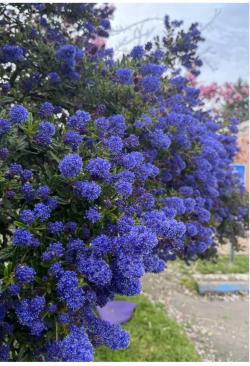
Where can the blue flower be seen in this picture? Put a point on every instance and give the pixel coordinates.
(11, 53)
(124, 76)
(152, 69)
(28, 192)
(102, 124)
(150, 84)
(76, 346)
(14, 289)
(159, 139)
(69, 292)
(191, 229)
(157, 221)
(18, 114)
(130, 266)
(64, 318)
(71, 166)
(51, 203)
(15, 169)
(22, 237)
(105, 23)
(46, 110)
(102, 244)
(54, 78)
(203, 215)
(140, 240)
(186, 190)
(42, 212)
(79, 120)
(56, 270)
(28, 313)
(112, 335)
(4, 352)
(125, 224)
(132, 159)
(26, 175)
(153, 264)
(73, 139)
(55, 250)
(55, 228)
(45, 132)
(123, 188)
(137, 52)
(114, 144)
(117, 124)
(4, 126)
(6, 88)
(99, 167)
(176, 203)
(96, 270)
(70, 226)
(27, 217)
(66, 53)
(176, 229)
(89, 190)
(43, 192)
(24, 274)
(129, 287)
(190, 205)
(126, 175)
(4, 153)
(131, 141)
(92, 215)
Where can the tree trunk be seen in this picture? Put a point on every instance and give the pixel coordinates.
(232, 244)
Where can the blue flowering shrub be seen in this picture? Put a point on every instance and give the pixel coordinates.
(72, 243)
(108, 169)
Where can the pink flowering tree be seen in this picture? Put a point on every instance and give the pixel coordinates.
(229, 99)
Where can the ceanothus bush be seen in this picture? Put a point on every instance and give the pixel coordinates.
(68, 251)
(109, 169)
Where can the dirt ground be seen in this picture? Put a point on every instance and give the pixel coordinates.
(217, 325)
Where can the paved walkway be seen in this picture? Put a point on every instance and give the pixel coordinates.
(218, 325)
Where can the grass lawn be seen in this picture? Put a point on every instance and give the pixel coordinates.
(154, 337)
(219, 266)
(222, 265)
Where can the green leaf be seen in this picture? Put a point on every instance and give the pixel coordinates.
(6, 253)
(6, 100)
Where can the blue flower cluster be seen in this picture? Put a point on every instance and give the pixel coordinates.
(29, 312)
(4, 126)
(88, 190)
(71, 166)
(137, 52)
(45, 133)
(11, 53)
(25, 274)
(68, 55)
(18, 114)
(79, 121)
(124, 76)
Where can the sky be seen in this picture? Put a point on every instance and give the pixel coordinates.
(225, 27)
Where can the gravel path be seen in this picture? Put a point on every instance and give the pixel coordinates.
(218, 325)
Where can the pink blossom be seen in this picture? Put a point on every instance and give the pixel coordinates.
(99, 42)
(237, 97)
(244, 90)
(208, 91)
(192, 78)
